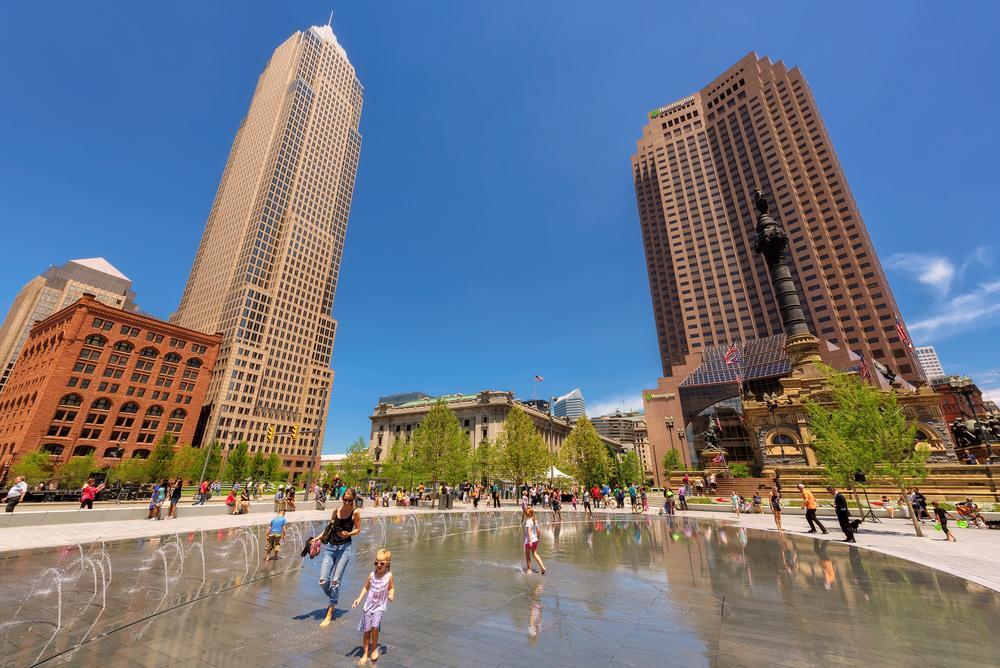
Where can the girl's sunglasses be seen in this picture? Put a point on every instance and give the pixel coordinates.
(381, 563)
(348, 500)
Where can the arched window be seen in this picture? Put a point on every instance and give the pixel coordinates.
(149, 351)
(111, 452)
(172, 358)
(782, 439)
(124, 347)
(130, 407)
(141, 453)
(83, 450)
(194, 363)
(178, 414)
(52, 448)
(154, 410)
(102, 404)
(95, 340)
(70, 400)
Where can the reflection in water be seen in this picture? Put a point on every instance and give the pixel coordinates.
(618, 589)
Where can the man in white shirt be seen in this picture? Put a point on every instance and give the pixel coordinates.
(16, 493)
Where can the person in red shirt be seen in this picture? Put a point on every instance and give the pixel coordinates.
(88, 492)
(202, 494)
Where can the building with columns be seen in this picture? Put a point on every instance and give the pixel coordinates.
(481, 415)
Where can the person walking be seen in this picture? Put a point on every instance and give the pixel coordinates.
(175, 498)
(586, 503)
(202, 493)
(809, 503)
(275, 534)
(735, 501)
(16, 493)
(531, 541)
(682, 491)
(942, 517)
(344, 524)
(843, 514)
(776, 507)
(88, 492)
(380, 590)
(496, 494)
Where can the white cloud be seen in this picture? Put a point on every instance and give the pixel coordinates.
(991, 393)
(931, 270)
(631, 401)
(961, 313)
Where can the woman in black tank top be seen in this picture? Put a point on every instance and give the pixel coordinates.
(345, 523)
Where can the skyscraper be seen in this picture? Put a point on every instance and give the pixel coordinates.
(266, 270)
(54, 290)
(694, 168)
(929, 361)
(570, 405)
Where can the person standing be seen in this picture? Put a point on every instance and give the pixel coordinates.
(682, 495)
(942, 517)
(380, 590)
(275, 534)
(776, 507)
(531, 541)
(843, 514)
(88, 492)
(496, 494)
(344, 524)
(202, 493)
(809, 503)
(175, 498)
(15, 494)
(735, 501)
(586, 503)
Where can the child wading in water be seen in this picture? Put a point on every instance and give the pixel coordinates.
(531, 541)
(380, 589)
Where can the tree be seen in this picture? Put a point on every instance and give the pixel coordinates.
(237, 463)
(521, 454)
(75, 470)
(187, 463)
(863, 430)
(35, 467)
(441, 448)
(273, 468)
(483, 460)
(583, 454)
(399, 468)
(257, 466)
(131, 470)
(354, 467)
(671, 461)
(161, 459)
(631, 469)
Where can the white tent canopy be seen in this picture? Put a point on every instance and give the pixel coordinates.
(556, 473)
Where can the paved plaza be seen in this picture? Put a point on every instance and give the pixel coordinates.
(695, 590)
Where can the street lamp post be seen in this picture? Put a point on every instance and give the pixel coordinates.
(668, 422)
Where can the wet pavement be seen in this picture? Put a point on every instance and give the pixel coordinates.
(619, 591)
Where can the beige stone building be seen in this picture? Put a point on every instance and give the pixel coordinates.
(481, 415)
(53, 291)
(266, 271)
(629, 429)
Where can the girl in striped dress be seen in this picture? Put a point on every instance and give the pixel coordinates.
(380, 589)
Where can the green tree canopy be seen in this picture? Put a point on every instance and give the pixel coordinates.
(440, 446)
(131, 470)
(354, 467)
(187, 463)
(521, 454)
(483, 460)
(35, 467)
(75, 470)
(671, 462)
(161, 459)
(238, 463)
(258, 465)
(584, 455)
(399, 466)
(273, 469)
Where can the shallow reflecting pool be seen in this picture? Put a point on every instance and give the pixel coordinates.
(619, 591)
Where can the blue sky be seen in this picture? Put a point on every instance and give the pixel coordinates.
(494, 232)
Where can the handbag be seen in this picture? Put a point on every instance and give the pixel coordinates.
(314, 548)
(327, 534)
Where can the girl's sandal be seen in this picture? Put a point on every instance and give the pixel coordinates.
(374, 655)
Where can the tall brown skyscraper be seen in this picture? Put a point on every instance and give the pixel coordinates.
(266, 270)
(694, 168)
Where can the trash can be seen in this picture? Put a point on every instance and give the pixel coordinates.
(445, 501)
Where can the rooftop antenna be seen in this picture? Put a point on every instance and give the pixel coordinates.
(329, 21)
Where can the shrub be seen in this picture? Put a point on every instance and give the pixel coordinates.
(739, 470)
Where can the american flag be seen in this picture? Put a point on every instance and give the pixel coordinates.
(719, 458)
(865, 371)
(718, 423)
(732, 356)
(739, 379)
(538, 378)
(903, 336)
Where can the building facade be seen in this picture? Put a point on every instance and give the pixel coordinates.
(958, 405)
(629, 429)
(481, 415)
(53, 291)
(699, 158)
(92, 378)
(267, 267)
(570, 405)
(929, 362)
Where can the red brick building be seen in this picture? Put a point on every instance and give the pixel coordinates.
(958, 405)
(92, 378)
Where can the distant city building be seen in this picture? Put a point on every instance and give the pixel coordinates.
(481, 415)
(538, 404)
(629, 429)
(694, 168)
(929, 361)
(54, 290)
(92, 378)
(267, 267)
(570, 405)
(957, 405)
